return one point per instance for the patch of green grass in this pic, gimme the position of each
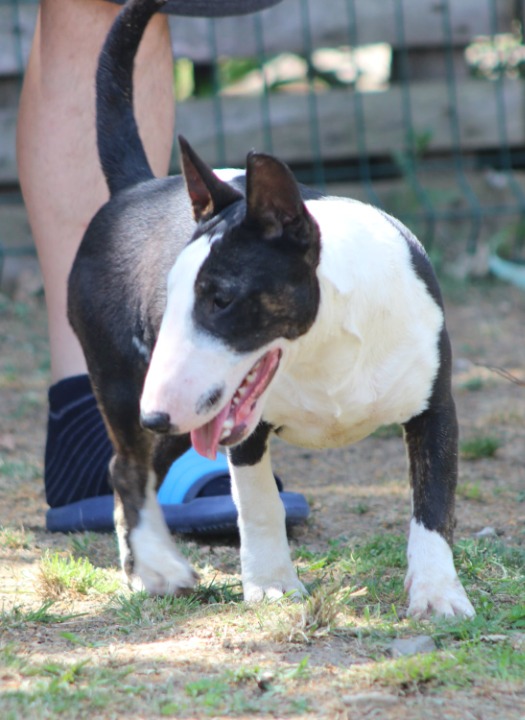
(15, 538)
(139, 609)
(18, 470)
(244, 691)
(372, 574)
(360, 508)
(479, 447)
(456, 667)
(50, 689)
(494, 564)
(379, 566)
(142, 610)
(18, 616)
(370, 578)
(219, 593)
(469, 652)
(470, 491)
(60, 575)
(304, 621)
(82, 543)
(100, 549)
(473, 384)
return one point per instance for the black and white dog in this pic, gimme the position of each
(218, 308)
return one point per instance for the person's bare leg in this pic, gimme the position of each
(63, 187)
(61, 180)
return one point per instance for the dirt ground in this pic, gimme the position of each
(354, 493)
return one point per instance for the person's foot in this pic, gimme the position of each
(195, 495)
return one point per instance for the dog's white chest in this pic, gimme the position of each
(340, 405)
(323, 409)
(372, 354)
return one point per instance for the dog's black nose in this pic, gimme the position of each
(158, 422)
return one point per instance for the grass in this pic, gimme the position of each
(484, 446)
(306, 621)
(15, 538)
(141, 610)
(53, 689)
(82, 689)
(19, 470)
(66, 575)
(470, 491)
(19, 616)
(360, 508)
(473, 384)
(459, 667)
(249, 690)
(356, 603)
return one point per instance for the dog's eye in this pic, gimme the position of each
(221, 302)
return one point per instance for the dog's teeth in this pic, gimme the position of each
(228, 425)
(251, 377)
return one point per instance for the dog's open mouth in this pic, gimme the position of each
(231, 424)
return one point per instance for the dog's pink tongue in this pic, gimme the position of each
(205, 439)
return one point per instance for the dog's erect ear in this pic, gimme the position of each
(274, 200)
(208, 194)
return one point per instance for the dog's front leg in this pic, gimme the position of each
(148, 555)
(267, 568)
(431, 439)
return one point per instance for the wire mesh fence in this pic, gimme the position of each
(413, 105)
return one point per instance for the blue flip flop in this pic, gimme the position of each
(195, 498)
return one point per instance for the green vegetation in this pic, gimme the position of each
(356, 598)
(61, 575)
(15, 538)
(484, 446)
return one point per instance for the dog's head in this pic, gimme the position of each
(240, 291)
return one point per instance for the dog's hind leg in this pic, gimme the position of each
(431, 439)
(267, 568)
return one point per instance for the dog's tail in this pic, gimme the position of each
(120, 149)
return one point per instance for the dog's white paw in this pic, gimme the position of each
(172, 575)
(447, 599)
(267, 568)
(273, 587)
(158, 567)
(432, 582)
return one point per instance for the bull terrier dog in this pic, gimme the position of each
(219, 308)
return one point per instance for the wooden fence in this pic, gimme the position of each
(425, 37)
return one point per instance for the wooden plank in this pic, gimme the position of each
(282, 28)
(285, 27)
(242, 120)
(384, 122)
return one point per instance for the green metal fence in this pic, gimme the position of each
(413, 105)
